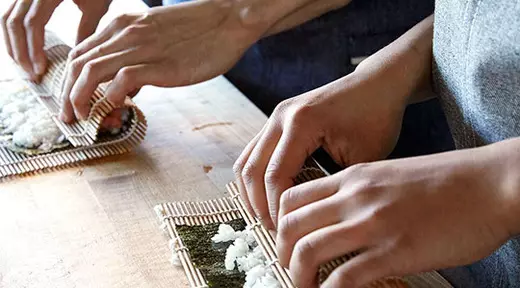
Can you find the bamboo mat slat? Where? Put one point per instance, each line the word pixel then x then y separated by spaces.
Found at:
pixel 226 209
pixel 83 135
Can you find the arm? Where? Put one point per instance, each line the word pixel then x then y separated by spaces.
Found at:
pixel 175 46
pixel 404 216
pixel 304 12
pixel 502 161
pixel 356 119
pixel 405 63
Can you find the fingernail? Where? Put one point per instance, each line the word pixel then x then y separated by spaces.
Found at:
pixel 117 123
pixel 64 117
pixel 39 68
pixel 82 116
pixel 272 233
pixel 110 123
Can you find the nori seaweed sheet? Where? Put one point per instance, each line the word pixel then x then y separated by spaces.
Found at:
pixel 208 256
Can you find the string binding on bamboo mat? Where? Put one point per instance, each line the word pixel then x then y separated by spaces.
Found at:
pixel 230 208
pixel 83 135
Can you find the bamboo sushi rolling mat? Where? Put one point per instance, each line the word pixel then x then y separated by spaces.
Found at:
pixel 93 225
pixel 230 208
pixel 83 135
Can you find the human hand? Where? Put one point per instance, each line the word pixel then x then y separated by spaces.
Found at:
pixel 23 27
pixel 402 216
pixel 167 46
pixel 355 119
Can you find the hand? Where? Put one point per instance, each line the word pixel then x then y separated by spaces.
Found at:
pixel 166 46
pixel 23 27
pixel 403 216
pixel 355 119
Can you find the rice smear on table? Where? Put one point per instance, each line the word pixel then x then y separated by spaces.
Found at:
pixel 247 256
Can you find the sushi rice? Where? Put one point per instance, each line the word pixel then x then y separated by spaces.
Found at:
pixel 27 121
pixel 247 257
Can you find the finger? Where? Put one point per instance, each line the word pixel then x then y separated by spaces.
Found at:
pixel 132 94
pixel 322 246
pixel 17 36
pixel 113 120
pixel 98 39
pixel 93 73
pixel 239 166
pixel 303 221
pixel 288 157
pixel 5 32
pixel 254 171
pixel 306 193
pixel 116 45
pixel 35 22
pixel 361 270
pixel 131 78
pixel 89 22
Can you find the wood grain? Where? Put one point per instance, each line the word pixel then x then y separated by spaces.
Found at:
pixel 94 225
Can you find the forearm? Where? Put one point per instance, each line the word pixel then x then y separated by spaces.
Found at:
pixel 308 11
pixel 404 66
pixel 268 17
pixel 395 74
pixel 491 174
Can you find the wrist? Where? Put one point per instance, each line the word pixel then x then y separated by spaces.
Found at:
pixel 257 17
pixel 405 64
pixel 505 157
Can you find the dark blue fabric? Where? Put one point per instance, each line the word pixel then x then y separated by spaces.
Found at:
pixel 320 51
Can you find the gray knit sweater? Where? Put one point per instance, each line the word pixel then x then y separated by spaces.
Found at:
pixel 476 71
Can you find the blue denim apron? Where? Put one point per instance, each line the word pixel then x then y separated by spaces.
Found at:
pixel 325 49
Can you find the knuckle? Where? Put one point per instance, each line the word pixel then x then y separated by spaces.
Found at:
pixel 145 18
pixel 31 21
pixel 75 68
pixel 127 75
pixel 282 107
pixel 249 172
pixel 286 226
pixel 14 23
pixel 131 30
pixel 91 68
pixel 273 175
pixel 4 18
pixel 122 20
pixel 358 168
pixel 101 49
pixel 304 251
pixel 300 115
pixel 355 178
pixel 74 53
pixel 135 33
pixel 286 198
pixel 237 167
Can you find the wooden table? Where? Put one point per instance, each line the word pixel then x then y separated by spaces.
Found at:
pixel 94 226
